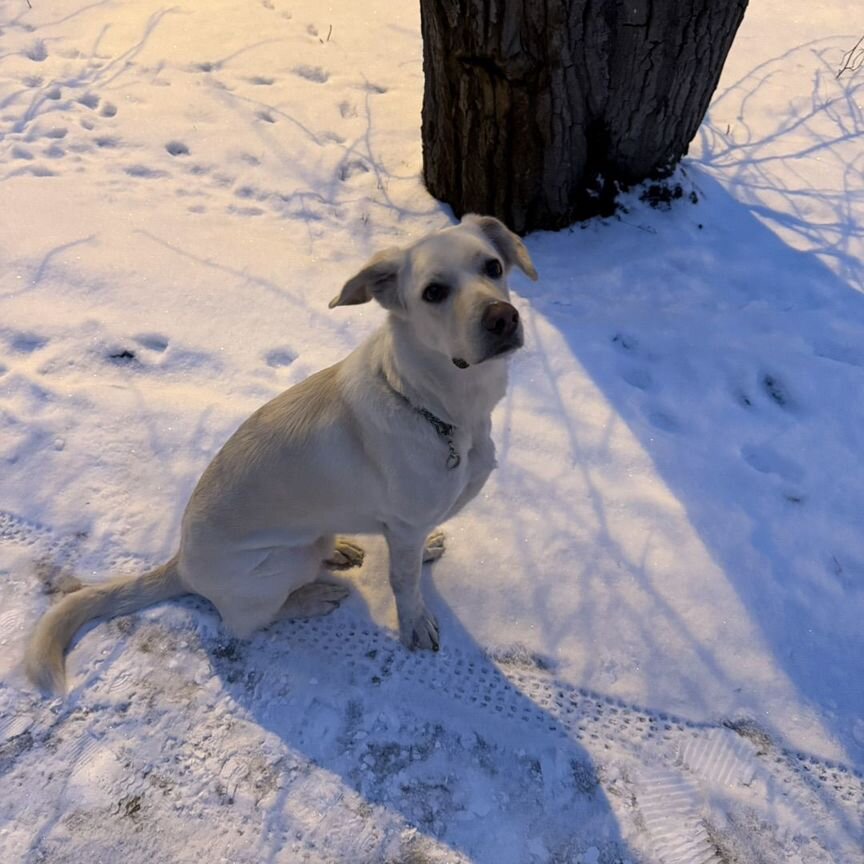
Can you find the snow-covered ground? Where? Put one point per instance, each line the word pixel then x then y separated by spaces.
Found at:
pixel 652 617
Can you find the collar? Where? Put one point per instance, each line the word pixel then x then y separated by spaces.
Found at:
pixel 444 430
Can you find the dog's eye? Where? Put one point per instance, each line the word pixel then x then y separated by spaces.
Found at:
pixel 492 268
pixel 435 292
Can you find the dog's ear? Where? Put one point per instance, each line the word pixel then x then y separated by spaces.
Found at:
pixel 378 279
pixel 509 245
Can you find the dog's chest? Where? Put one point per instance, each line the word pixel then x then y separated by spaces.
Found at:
pixel 440 470
pixel 476 455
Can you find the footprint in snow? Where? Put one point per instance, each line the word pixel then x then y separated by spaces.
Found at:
pixel 153 341
pixel 12 621
pixel 766 460
pixel 638 377
pixel 312 73
pixel 352 168
pixel 625 342
pixel 122 356
pixel 40 171
pixel 109 109
pixel 144 172
pixel 177 148
pixel 220 178
pixel 664 421
pixel 244 211
pixel 89 100
pixel 266 116
pixel 776 390
pixel 250 192
pixel 669 803
pixel 24 342
pixel 57 132
pixel 17 530
pixel 742 397
pixel 37 52
pixel 262 80
pixel 279 357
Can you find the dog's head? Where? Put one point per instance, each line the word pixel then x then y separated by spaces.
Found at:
pixel 451 288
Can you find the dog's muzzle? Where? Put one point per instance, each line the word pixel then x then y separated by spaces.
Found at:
pixel 502 330
pixel 500 319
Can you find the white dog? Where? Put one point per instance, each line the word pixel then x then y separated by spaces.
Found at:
pixel 394 439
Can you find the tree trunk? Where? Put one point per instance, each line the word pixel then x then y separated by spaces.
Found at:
pixel 536 111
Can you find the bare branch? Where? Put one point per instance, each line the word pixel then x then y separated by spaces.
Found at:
pixel 853 59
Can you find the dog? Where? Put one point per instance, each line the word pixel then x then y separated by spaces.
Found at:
pixel 392 440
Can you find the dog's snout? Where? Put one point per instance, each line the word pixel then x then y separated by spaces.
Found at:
pixel 500 319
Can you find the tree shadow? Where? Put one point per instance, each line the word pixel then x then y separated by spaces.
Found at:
pixel 438 756
pixel 734 359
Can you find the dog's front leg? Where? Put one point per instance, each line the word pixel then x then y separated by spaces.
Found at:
pixel 482 460
pixel 417 626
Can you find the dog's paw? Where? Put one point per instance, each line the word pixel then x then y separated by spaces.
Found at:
pixel 345 555
pixel 421 633
pixel 434 547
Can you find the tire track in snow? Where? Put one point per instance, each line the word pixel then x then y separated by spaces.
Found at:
pixel 688 758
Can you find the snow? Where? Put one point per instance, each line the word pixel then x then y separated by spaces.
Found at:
pixel 651 617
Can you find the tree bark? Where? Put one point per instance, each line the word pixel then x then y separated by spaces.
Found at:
pixel 537 111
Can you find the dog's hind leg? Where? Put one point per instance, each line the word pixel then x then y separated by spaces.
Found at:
pixel 435 546
pixel 344 555
pixel 253 599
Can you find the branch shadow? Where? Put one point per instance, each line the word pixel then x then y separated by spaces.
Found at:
pixel 390 726
pixel 760 168
pixel 91 74
pixel 739 432
pixel 325 182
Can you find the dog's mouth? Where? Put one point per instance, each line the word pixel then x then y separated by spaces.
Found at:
pixel 498 350
pixel 507 348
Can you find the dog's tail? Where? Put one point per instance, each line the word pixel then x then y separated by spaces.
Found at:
pixel 44 659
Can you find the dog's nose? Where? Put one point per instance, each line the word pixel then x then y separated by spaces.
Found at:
pixel 500 318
